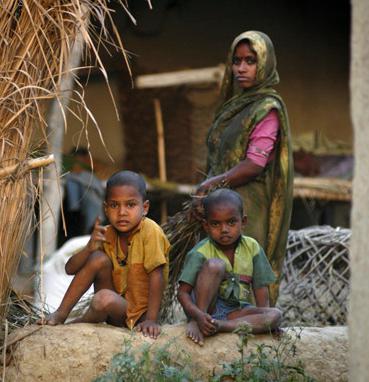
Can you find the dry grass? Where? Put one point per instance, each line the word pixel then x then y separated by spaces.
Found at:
pixel 35 43
pixel 183 232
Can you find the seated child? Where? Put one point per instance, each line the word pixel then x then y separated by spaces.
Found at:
pixel 127 262
pixel 221 270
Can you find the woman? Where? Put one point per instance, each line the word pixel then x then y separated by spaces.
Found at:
pixel 249 145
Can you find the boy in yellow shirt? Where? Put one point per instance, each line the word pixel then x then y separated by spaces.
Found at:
pixel 127 262
pixel 221 272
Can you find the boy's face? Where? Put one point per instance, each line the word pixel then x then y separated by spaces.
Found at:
pixel 125 208
pixel 224 224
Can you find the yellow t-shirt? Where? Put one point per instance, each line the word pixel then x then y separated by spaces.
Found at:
pixel 148 248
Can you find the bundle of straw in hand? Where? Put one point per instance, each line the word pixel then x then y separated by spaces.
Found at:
pixel 183 231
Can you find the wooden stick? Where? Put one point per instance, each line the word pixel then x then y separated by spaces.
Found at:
pixel 28 165
pixel 181 77
pixel 20 337
pixel 4 349
pixel 161 154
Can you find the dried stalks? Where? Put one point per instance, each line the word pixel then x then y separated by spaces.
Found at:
pixel 183 232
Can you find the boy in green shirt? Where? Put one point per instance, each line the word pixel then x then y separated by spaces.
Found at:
pixel 221 271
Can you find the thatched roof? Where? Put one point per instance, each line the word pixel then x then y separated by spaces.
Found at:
pixel 35 44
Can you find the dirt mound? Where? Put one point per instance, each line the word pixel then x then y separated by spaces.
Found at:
pixel 81 352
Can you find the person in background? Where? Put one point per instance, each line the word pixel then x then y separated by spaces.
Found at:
pixel 84 195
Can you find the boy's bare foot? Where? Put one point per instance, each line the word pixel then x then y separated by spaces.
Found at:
pixel 193 332
pixel 53 319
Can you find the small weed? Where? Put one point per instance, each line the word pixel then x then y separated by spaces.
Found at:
pixel 267 363
pixel 147 365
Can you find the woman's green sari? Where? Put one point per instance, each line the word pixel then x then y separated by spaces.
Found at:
pixel 267 198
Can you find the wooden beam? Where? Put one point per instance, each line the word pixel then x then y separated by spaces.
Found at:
pixel 28 165
pixel 332 189
pixel 322 188
pixel 182 77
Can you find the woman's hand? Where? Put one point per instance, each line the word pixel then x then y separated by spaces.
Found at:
pixel 237 176
pixel 208 184
pixel 201 192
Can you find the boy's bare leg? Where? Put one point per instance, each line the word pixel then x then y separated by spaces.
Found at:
pixel 97 271
pixel 106 306
pixel 261 320
pixel 206 291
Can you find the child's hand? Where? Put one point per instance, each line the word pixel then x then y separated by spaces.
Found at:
pixel 97 236
pixel 207 324
pixel 149 328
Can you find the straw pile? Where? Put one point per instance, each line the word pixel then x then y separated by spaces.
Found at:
pixel 35 42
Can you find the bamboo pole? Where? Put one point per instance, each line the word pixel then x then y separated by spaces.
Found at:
pixel 161 155
pixel 52 196
pixel 27 166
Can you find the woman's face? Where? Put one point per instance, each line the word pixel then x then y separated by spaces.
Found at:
pixel 244 65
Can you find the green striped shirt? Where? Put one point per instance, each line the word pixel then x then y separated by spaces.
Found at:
pixel 250 268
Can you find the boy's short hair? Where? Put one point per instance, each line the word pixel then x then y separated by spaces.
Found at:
pixel 222 195
pixel 127 178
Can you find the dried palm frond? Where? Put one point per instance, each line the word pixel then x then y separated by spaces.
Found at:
pixel 35 44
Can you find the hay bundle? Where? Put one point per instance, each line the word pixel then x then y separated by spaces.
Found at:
pixel 315 285
pixel 35 43
pixel 183 232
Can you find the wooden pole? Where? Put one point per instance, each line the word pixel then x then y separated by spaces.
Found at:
pixel 161 155
pixel 359 243
pixel 52 196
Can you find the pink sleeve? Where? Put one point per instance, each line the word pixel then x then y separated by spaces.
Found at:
pixel 262 140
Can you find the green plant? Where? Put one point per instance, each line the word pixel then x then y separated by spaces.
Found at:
pixel 147 365
pixel 267 363
pixel 276 362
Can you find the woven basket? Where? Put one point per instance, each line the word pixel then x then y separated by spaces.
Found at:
pixel 316 273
